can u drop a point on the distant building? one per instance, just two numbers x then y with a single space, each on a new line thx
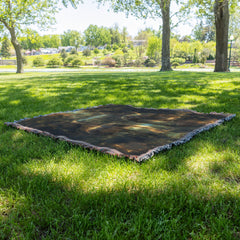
137 43
67 48
82 48
48 50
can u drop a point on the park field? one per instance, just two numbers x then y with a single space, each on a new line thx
52 190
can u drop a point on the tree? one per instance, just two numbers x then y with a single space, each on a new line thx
115 35
221 10
51 41
144 35
15 15
5 49
31 41
154 48
234 25
97 36
72 38
205 32
144 9
124 35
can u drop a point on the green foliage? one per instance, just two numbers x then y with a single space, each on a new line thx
86 52
145 35
138 62
195 57
96 50
97 36
31 40
115 47
118 52
54 62
63 54
105 51
38 62
119 60
125 50
74 51
68 60
5 49
24 60
109 62
178 60
175 64
150 62
154 48
17 14
51 41
192 50
109 47
73 61
71 38
77 62
115 35
126 59
97 62
234 25
205 33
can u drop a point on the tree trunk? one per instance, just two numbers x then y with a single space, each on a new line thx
221 12
165 8
17 48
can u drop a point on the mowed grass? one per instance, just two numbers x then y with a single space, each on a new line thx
52 190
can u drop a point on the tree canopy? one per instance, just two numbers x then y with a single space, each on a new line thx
71 38
5 49
17 15
97 36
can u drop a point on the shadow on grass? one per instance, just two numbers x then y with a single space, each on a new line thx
106 197
45 206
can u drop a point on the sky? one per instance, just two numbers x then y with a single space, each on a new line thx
88 13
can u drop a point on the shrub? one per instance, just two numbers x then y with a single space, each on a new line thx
105 52
119 60
150 62
74 51
54 62
76 62
138 62
24 60
126 59
115 46
131 46
203 59
63 54
86 52
125 50
97 62
96 50
38 62
109 48
109 61
73 61
130 63
175 64
178 60
68 60
118 52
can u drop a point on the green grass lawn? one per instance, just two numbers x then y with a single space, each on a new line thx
52 190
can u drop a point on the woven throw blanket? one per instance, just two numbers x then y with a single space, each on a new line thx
123 130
